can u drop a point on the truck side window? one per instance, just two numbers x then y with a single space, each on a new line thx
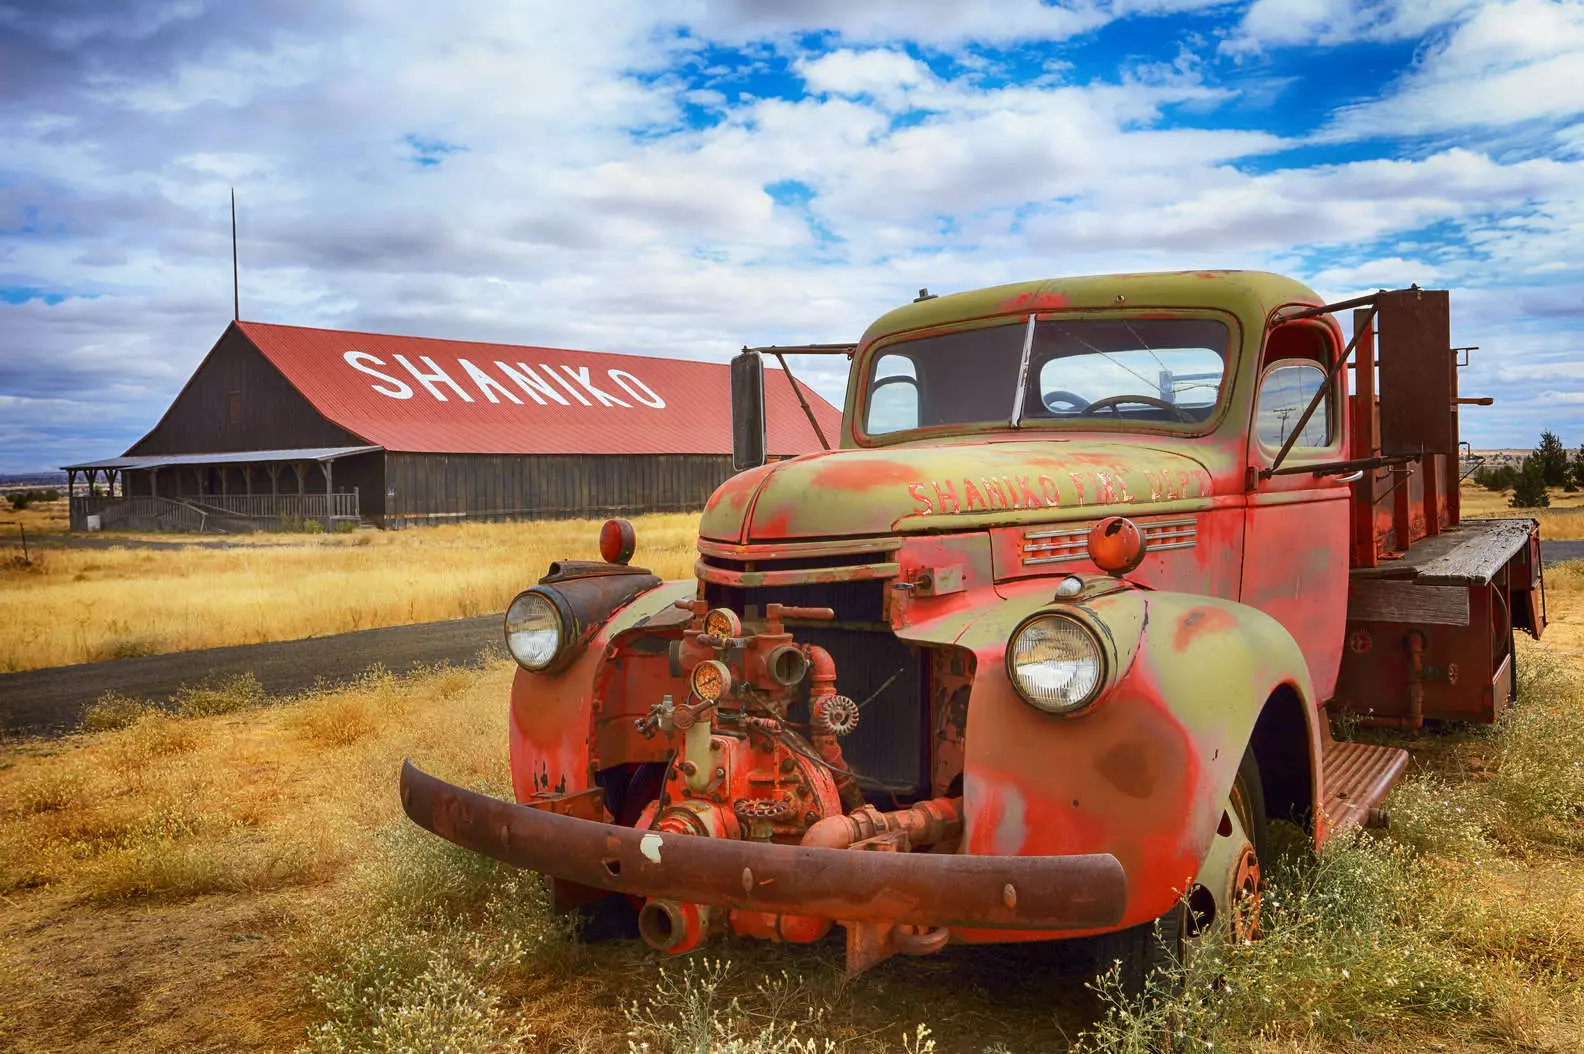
893 396
1284 396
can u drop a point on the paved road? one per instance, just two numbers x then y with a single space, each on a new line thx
1557 552
52 700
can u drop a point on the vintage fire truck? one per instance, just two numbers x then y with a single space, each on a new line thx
1040 648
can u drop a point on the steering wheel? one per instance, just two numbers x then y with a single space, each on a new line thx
1111 402
1077 402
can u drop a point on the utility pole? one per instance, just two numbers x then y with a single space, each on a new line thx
236 294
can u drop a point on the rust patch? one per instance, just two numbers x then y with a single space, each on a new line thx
1129 768
1199 622
1034 301
862 473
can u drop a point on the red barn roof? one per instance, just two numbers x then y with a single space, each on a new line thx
453 396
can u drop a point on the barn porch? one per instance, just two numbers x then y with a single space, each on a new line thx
225 493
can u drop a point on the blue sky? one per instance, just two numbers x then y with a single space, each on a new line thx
684 177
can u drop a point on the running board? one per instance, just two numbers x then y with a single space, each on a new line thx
1357 777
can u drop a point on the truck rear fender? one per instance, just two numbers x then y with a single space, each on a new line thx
1144 772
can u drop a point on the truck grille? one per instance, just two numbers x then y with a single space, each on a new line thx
1072 543
890 747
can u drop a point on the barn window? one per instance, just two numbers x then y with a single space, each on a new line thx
234 408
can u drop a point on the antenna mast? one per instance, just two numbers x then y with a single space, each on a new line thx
236 295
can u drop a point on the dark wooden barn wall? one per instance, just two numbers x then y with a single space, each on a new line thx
275 416
440 488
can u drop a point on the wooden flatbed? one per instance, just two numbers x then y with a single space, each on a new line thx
1470 554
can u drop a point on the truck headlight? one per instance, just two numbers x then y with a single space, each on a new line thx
1056 664
537 628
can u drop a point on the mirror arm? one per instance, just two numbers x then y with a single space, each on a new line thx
797 391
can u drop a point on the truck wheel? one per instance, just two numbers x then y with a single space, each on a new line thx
1152 954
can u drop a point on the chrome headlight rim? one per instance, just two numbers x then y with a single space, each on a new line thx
1104 658
565 624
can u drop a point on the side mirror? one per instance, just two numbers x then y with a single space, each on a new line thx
748 411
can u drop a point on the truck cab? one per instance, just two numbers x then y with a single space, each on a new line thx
1040 648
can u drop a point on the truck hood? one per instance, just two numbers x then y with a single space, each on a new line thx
844 493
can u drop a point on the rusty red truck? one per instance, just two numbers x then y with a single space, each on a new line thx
1040 648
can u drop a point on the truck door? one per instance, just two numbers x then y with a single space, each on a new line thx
1295 556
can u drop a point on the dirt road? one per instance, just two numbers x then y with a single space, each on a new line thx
52 700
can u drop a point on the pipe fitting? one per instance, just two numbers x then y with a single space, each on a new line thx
787 929
671 926
930 822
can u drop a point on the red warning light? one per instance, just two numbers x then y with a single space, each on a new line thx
617 541
1116 545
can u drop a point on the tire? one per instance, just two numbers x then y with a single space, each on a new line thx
1150 956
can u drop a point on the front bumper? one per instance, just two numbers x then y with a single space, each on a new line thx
1080 892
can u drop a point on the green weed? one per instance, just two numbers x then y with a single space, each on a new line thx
242 692
112 711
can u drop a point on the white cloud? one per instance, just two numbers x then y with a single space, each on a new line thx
880 73
1517 61
1269 24
583 212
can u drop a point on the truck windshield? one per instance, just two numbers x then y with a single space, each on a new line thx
1149 372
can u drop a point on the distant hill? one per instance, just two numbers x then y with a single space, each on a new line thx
25 480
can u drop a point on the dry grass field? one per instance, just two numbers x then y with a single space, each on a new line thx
238 877
82 605
1562 520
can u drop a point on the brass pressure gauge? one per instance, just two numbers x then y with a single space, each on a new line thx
711 680
722 623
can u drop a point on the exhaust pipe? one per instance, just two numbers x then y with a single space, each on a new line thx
672 926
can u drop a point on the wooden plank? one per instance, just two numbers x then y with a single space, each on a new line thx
1389 600
1484 554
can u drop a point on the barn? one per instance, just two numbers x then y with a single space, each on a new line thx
283 425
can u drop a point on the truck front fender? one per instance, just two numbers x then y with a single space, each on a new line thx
1144 772
551 729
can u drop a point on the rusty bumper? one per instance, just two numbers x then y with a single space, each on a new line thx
1080 892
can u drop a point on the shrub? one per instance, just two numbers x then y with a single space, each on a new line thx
242 692
1436 816
1529 490
112 710
1358 940
1540 751
441 927
1496 477
22 499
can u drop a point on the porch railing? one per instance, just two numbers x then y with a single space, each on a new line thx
216 513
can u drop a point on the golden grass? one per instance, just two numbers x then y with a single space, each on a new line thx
38 519
178 847
245 881
85 605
